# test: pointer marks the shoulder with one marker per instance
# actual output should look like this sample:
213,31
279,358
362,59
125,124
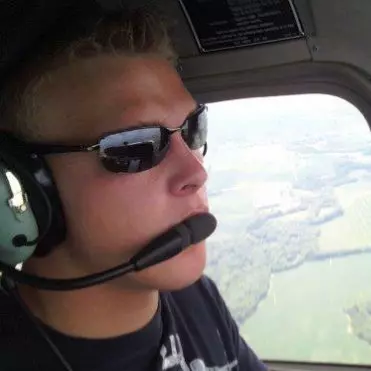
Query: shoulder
202,305
9,313
14,334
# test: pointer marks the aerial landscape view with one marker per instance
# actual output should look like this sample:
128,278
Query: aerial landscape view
290,185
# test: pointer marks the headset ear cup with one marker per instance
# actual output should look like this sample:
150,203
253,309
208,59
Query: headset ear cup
36,178
17,220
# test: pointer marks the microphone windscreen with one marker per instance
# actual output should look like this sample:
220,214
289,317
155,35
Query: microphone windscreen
201,226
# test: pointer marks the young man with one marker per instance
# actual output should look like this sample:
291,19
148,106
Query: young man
119,76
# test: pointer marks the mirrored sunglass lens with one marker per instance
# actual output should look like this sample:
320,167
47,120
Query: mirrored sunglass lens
126,141
133,150
194,131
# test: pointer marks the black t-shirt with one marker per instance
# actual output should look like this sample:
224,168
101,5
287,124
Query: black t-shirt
192,330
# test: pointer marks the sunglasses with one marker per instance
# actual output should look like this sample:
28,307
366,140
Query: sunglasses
137,149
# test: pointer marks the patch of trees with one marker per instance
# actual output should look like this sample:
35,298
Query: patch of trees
360,318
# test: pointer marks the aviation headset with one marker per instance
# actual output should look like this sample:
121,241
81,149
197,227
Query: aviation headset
31,213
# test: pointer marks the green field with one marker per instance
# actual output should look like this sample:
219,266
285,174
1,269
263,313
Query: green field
353,230
303,319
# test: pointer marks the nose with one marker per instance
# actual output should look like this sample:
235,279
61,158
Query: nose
189,173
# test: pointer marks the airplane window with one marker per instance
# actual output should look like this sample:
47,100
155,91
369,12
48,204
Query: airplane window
290,184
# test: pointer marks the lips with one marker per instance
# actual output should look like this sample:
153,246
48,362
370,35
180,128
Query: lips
202,210
195,211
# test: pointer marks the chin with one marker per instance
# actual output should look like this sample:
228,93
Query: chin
175,274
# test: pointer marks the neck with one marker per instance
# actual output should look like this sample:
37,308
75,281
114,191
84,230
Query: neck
107,310
96,312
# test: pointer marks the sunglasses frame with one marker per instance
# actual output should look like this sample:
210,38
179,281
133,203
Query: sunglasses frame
39,148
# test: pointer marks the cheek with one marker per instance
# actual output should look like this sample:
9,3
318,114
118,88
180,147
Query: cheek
109,212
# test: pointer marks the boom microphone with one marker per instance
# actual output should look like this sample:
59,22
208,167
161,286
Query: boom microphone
164,247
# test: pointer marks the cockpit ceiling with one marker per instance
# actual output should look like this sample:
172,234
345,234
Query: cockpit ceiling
333,31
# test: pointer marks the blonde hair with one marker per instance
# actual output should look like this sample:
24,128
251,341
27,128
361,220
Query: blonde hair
131,33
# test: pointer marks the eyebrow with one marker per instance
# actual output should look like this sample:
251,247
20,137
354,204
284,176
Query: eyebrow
162,123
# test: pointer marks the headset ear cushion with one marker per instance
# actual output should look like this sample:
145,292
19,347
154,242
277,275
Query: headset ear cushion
18,222
37,181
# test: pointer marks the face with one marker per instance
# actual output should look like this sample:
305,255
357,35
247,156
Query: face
111,216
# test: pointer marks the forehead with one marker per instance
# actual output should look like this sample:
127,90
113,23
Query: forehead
82,101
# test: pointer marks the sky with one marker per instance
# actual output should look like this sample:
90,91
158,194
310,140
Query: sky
317,109
255,120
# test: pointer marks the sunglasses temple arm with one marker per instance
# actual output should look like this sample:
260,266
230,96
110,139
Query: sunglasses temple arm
46,149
